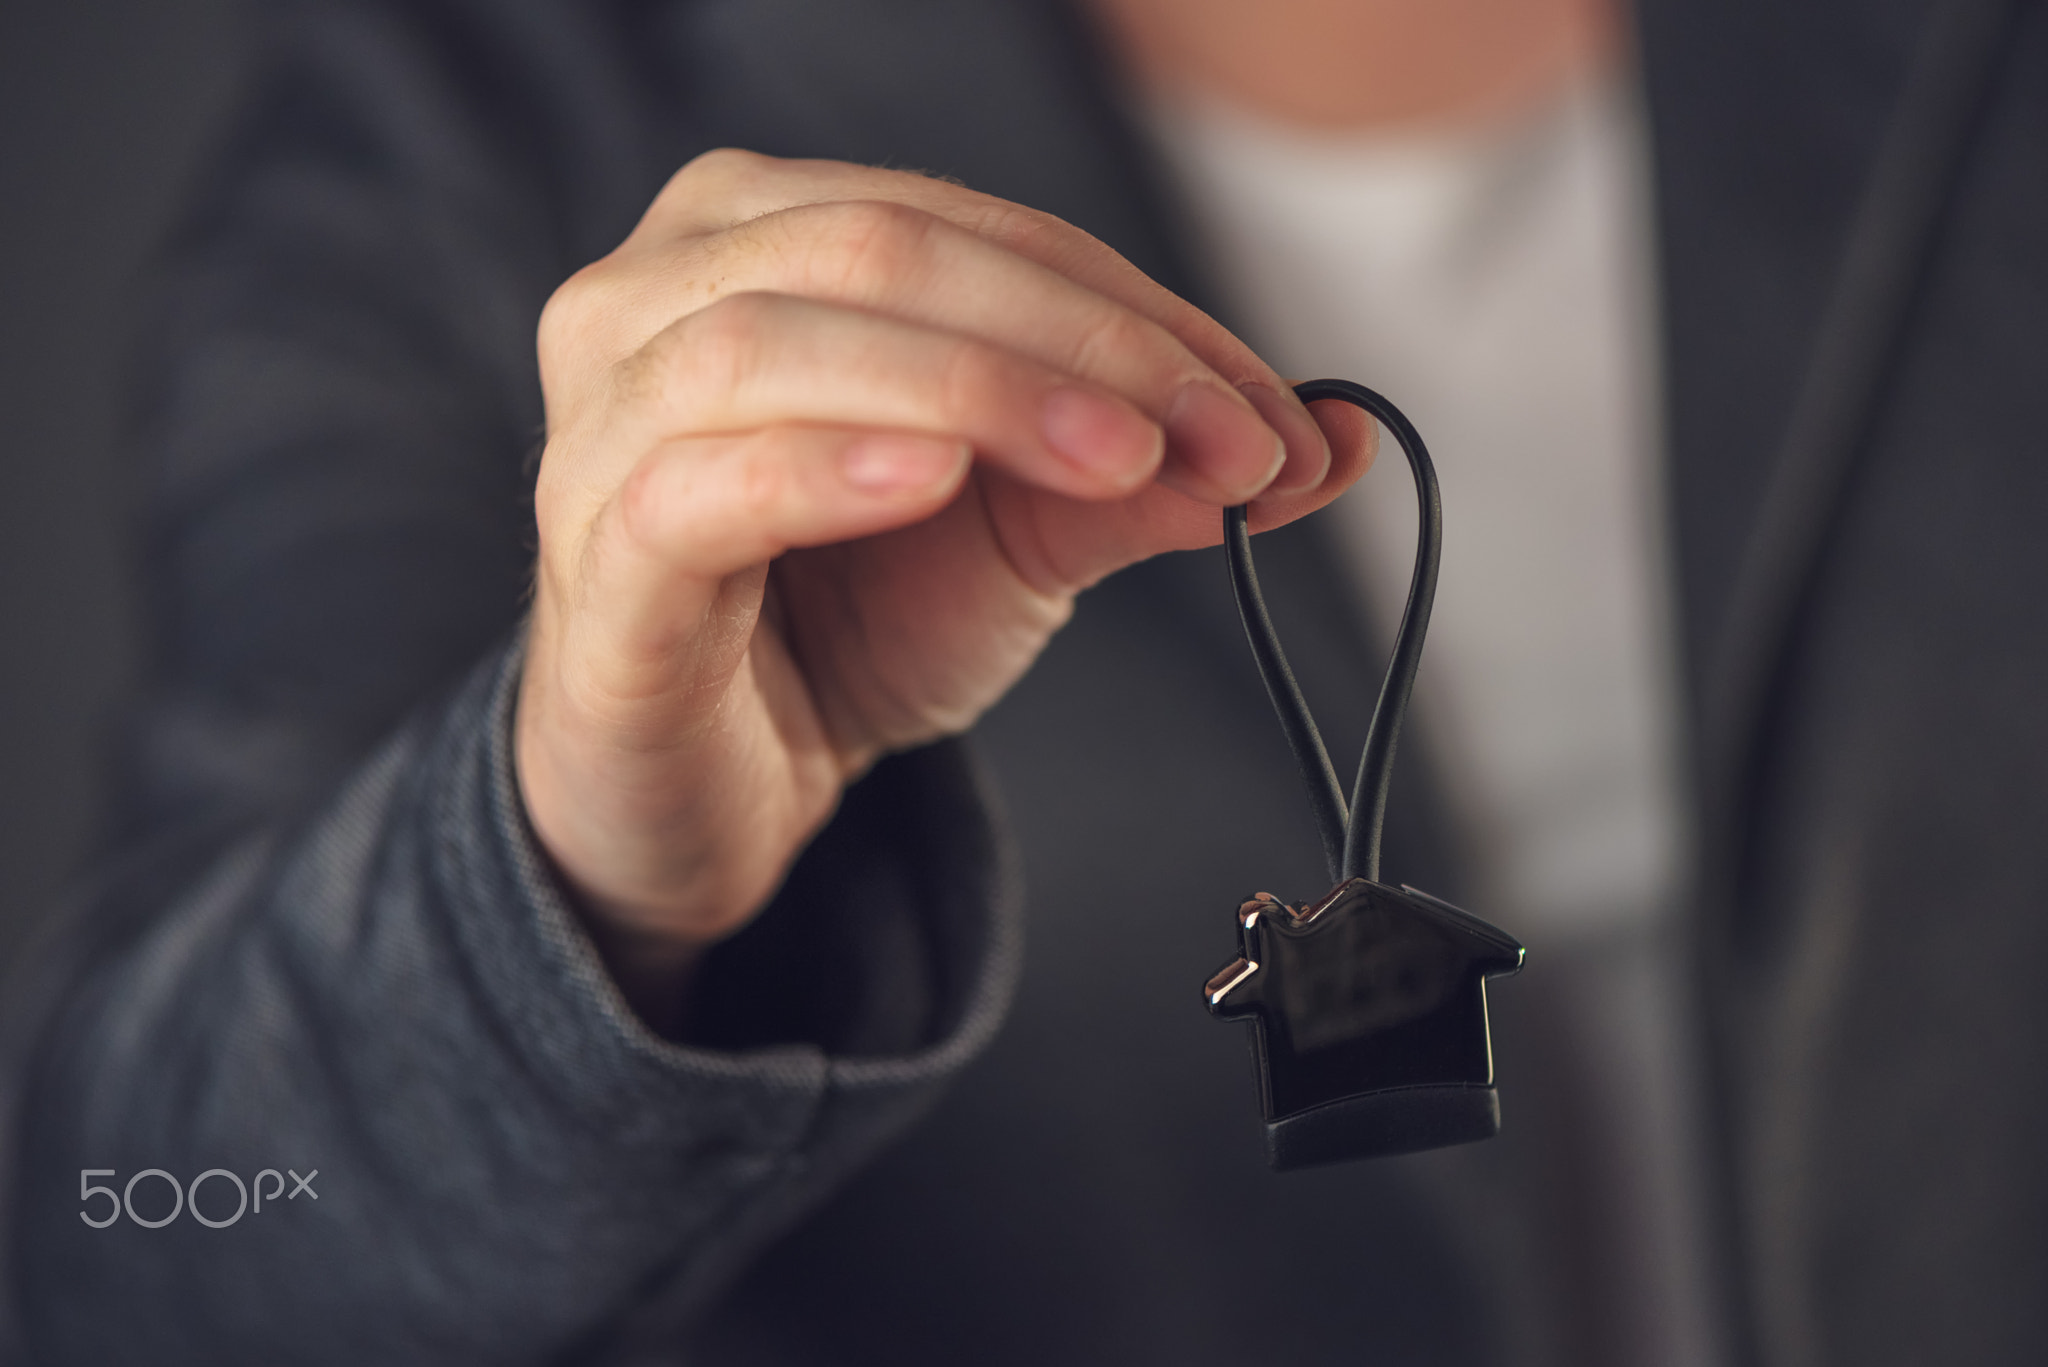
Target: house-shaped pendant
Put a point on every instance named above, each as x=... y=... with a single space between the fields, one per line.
x=1368 y=1013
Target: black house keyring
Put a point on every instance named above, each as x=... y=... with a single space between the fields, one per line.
x=1368 y=1005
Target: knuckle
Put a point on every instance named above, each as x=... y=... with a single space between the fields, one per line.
x=1052 y=242
x=760 y=481
x=1109 y=339
x=711 y=351
x=731 y=329
x=551 y=491
x=641 y=501
x=725 y=161
x=1014 y=225
x=721 y=166
x=968 y=378
x=735 y=485
x=567 y=317
x=853 y=245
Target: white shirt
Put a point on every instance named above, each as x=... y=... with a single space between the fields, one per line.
x=1497 y=286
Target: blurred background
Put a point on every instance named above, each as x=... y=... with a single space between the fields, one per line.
x=104 y=107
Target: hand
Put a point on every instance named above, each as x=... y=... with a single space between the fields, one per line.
x=830 y=452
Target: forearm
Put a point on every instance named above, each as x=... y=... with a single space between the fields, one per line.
x=395 y=993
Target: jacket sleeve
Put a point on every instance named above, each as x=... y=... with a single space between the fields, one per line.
x=325 y=941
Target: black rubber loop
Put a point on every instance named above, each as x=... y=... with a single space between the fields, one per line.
x=1351 y=834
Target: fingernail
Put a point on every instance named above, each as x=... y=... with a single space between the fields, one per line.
x=1098 y=434
x=1223 y=440
x=1308 y=452
x=889 y=462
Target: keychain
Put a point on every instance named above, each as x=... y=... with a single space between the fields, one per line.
x=1367 y=1005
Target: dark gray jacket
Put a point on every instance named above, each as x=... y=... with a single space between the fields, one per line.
x=327 y=940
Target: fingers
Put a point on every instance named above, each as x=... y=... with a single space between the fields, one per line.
x=1354 y=440
x=905 y=263
x=927 y=250
x=756 y=360
x=699 y=510
x=722 y=189
x=1057 y=546
x=923 y=307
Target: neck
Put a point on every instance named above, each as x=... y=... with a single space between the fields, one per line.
x=1357 y=65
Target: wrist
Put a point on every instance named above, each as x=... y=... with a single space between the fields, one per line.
x=665 y=850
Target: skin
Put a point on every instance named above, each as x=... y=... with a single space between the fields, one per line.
x=830 y=452
x=1359 y=65
x=832 y=449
